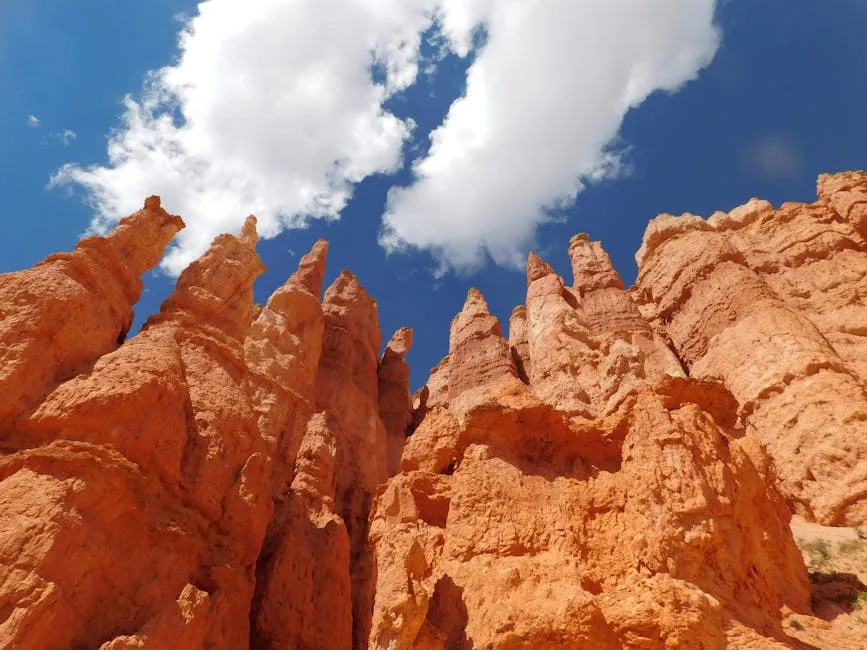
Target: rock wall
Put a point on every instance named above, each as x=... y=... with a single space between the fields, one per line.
x=619 y=472
x=772 y=303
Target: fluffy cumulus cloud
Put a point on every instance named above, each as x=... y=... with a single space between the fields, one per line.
x=545 y=97
x=272 y=108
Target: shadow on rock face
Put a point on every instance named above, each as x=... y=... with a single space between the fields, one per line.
x=448 y=614
x=834 y=594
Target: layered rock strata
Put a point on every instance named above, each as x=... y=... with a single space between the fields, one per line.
x=619 y=473
x=772 y=303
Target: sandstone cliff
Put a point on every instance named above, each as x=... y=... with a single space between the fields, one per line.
x=772 y=303
x=619 y=472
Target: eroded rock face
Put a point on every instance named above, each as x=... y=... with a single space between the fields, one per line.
x=620 y=472
x=138 y=497
x=347 y=389
x=304 y=589
x=395 y=401
x=772 y=303
x=522 y=521
x=59 y=317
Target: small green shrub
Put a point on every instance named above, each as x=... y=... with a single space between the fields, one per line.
x=850 y=546
x=819 y=552
x=796 y=625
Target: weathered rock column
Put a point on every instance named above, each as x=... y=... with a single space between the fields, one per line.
x=144 y=482
x=347 y=389
x=59 y=317
x=395 y=401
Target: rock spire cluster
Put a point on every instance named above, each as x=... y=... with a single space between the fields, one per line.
x=618 y=471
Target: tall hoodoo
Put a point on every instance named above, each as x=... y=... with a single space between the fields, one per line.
x=395 y=401
x=478 y=353
x=282 y=352
x=558 y=341
x=159 y=434
x=303 y=597
x=347 y=388
x=605 y=307
x=78 y=305
x=519 y=343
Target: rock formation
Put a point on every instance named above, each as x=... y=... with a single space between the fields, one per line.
x=772 y=303
x=619 y=473
x=577 y=515
x=395 y=401
x=61 y=316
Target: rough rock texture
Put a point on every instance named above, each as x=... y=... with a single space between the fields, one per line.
x=395 y=401
x=303 y=589
x=307 y=543
x=59 y=317
x=619 y=473
x=772 y=303
x=134 y=505
x=347 y=389
x=518 y=523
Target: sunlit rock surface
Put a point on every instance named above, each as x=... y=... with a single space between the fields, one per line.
x=619 y=470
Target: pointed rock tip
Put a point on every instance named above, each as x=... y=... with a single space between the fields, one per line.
x=537 y=268
x=475 y=298
x=311 y=269
x=401 y=341
x=248 y=232
x=154 y=204
x=520 y=311
x=141 y=238
x=579 y=238
x=319 y=249
x=345 y=287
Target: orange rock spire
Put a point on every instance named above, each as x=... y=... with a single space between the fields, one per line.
x=78 y=305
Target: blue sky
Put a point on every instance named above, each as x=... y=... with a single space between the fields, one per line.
x=781 y=102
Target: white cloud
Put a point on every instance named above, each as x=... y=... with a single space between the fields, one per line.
x=545 y=97
x=67 y=136
x=272 y=109
x=32 y=121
